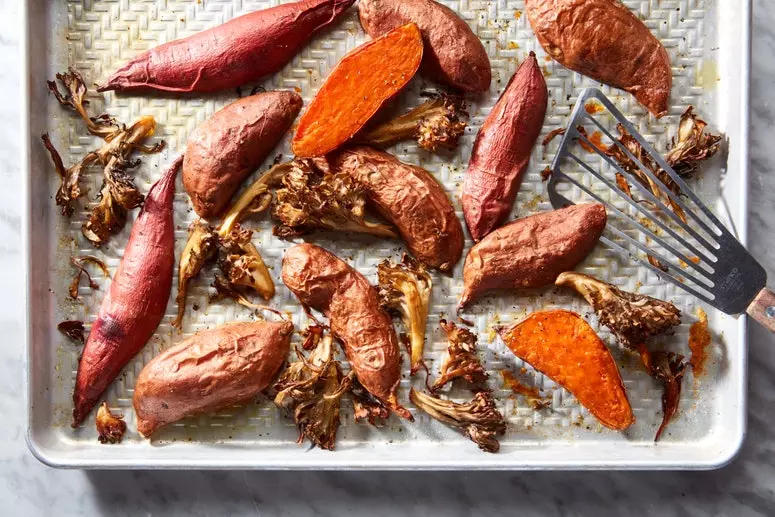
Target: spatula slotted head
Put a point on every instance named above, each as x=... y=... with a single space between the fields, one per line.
x=654 y=217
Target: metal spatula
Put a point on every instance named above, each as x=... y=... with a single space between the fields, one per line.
x=673 y=234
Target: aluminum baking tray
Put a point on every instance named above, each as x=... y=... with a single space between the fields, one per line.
x=708 y=41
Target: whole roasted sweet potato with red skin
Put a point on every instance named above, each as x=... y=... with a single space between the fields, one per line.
x=532 y=251
x=326 y=283
x=211 y=370
x=604 y=40
x=411 y=199
x=240 y=51
x=454 y=55
x=228 y=147
x=135 y=302
x=363 y=81
x=502 y=150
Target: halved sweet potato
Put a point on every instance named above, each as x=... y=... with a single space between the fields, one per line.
x=362 y=82
x=562 y=346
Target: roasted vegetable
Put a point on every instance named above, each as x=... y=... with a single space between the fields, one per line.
x=604 y=40
x=118 y=193
x=79 y=265
x=562 y=346
x=200 y=248
x=324 y=282
x=225 y=149
x=362 y=82
x=110 y=427
x=240 y=51
x=366 y=407
x=211 y=370
x=669 y=369
x=134 y=305
x=405 y=288
x=633 y=318
x=410 y=198
x=312 y=200
x=478 y=419
x=692 y=145
x=242 y=264
x=311 y=390
x=453 y=55
x=533 y=251
x=461 y=361
x=435 y=123
x=502 y=150
x=72 y=329
x=256 y=198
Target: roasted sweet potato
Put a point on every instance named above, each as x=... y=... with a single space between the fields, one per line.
x=454 y=55
x=533 y=251
x=502 y=150
x=135 y=302
x=604 y=40
x=411 y=199
x=239 y=51
x=362 y=82
x=562 y=346
x=211 y=370
x=324 y=282
x=228 y=147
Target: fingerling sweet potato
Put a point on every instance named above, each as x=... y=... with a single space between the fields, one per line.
x=411 y=199
x=362 y=82
x=604 y=40
x=322 y=281
x=502 y=150
x=239 y=51
x=533 y=251
x=211 y=370
x=228 y=147
x=562 y=346
x=454 y=55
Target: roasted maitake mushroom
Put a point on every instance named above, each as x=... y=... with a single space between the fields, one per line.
x=118 y=194
x=692 y=146
x=633 y=318
x=461 y=360
x=242 y=264
x=79 y=262
x=669 y=369
x=200 y=248
x=311 y=389
x=435 y=123
x=366 y=407
x=110 y=427
x=479 y=419
x=405 y=289
x=313 y=200
x=256 y=198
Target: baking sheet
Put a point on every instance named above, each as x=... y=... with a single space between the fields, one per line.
x=710 y=68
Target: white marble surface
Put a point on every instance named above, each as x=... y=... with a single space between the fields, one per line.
x=744 y=488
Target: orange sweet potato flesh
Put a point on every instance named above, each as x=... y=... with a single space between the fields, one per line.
x=562 y=346
x=362 y=82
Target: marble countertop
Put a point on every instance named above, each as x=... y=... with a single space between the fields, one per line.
x=744 y=488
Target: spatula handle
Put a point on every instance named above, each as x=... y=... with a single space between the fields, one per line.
x=762 y=309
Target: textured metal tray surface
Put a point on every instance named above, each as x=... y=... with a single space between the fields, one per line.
x=710 y=72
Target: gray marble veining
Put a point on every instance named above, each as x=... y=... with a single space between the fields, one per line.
x=744 y=488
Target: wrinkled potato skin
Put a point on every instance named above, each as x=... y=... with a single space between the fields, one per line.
x=227 y=148
x=324 y=282
x=410 y=198
x=454 y=55
x=604 y=40
x=212 y=369
x=533 y=251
